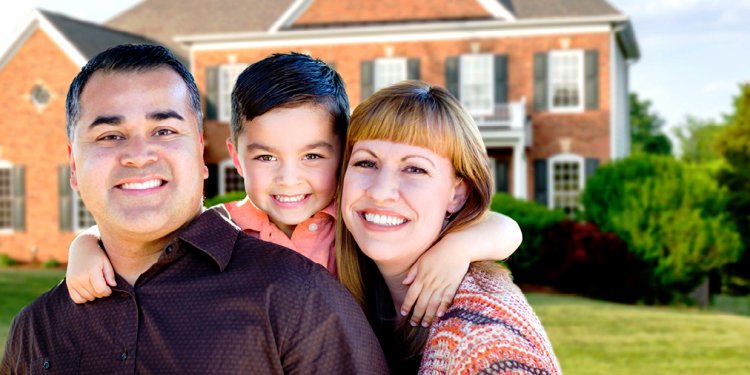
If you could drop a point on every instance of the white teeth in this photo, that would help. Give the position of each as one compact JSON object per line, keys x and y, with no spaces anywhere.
{"x":384,"y":220}
{"x":141,"y":185}
{"x":289,"y":198}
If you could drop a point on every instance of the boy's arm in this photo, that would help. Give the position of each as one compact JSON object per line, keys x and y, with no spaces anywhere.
{"x":89,"y":274}
{"x":436,"y":275}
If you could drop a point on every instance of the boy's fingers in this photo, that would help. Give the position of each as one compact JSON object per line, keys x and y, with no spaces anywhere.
{"x":411,"y":297}
{"x":99,"y":286}
{"x":411,"y":276}
{"x":109,"y":274}
{"x":85,"y":294}
{"x":419,"y":309}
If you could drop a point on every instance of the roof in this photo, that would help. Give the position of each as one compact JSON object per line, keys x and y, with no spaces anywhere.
{"x":531,"y":9}
{"x":162,"y":20}
{"x":88,"y":38}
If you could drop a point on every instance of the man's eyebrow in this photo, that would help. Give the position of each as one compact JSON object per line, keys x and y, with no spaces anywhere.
{"x":163,"y":115}
{"x":106,"y":120}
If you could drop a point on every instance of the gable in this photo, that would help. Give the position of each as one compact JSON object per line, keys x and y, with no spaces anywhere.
{"x":337,"y":12}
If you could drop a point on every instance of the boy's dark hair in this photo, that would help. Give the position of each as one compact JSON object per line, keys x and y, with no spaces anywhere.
{"x":287,"y":80}
{"x":129,"y":58}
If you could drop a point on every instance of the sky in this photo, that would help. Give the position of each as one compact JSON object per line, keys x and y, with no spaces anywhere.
{"x":694,"y":53}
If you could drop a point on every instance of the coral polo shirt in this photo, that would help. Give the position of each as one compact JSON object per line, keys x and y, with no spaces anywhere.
{"x":312,"y":238}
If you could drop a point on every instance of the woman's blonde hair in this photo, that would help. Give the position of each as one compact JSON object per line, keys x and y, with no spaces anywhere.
{"x":413,"y":113}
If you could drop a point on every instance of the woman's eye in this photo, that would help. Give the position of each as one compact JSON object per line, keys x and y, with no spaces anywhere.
{"x":364,"y":164}
{"x":416,"y":170}
{"x":265,"y":158}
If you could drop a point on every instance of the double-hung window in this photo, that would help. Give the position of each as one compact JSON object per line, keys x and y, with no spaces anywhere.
{"x":82,"y":218}
{"x":566,"y":80}
{"x":229,"y":179}
{"x":476,"y":83}
{"x":389,"y":71}
{"x":6,"y":197}
{"x":567,"y":177}
{"x":227,"y":77}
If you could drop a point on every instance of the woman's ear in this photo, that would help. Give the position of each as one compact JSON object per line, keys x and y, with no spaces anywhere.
{"x":460,"y":194}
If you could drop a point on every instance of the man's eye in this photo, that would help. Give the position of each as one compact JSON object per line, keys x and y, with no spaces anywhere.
{"x":265,"y":158}
{"x":364,"y":164}
{"x":163,"y":132}
{"x":110,"y":137}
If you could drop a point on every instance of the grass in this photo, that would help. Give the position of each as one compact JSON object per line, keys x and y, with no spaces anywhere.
{"x":18,"y":287}
{"x":593,"y":337}
{"x":589,"y":337}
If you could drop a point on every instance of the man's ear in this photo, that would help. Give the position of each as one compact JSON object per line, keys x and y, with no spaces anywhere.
{"x":460,"y":194}
{"x":72,"y":161}
{"x":235,"y":157}
{"x":203,"y":147}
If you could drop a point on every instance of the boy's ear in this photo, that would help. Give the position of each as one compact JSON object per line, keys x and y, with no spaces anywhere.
{"x":235,"y":157}
{"x":460,"y":194}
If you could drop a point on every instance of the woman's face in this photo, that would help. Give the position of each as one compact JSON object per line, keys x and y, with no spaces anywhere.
{"x":394,"y":200}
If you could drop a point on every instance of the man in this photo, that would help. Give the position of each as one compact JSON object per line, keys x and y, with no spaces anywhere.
{"x":193,"y":294}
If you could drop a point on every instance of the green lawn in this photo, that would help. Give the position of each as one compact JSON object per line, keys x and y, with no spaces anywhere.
{"x":590,"y":337}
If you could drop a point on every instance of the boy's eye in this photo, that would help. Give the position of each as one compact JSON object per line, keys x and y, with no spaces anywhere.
{"x":415,"y":170}
{"x":265,"y":158}
{"x":364,"y":164}
{"x":313,"y":156}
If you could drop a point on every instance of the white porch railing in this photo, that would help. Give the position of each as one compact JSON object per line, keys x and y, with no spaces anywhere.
{"x":507,"y":116}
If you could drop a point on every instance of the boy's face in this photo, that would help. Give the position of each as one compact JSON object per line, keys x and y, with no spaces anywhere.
{"x":289,"y":158}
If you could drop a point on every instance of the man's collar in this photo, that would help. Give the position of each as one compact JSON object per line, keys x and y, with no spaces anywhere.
{"x":213,"y":233}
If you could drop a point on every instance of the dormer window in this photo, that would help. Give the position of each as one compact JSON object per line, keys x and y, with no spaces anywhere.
{"x":40,"y":96}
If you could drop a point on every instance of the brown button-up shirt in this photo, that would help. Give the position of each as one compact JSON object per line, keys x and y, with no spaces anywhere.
{"x":216,"y":302}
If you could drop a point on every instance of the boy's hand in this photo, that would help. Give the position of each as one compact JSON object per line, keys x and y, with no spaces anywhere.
{"x":434,"y":279}
{"x":89,"y":274}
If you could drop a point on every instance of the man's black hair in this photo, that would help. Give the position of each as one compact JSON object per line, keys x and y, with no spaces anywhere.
{"x":129,"y":58}
{"x":289,"y":80}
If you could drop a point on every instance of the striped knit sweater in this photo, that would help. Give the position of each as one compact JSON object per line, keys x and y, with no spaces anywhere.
{"x":489,"y":329}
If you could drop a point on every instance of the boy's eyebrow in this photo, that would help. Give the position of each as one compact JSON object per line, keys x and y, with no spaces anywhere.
{"x":321,"y":144}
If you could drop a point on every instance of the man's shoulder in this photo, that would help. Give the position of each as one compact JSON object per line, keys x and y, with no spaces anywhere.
{"x":41,"y":312}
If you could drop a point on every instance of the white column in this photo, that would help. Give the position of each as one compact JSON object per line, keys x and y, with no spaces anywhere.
{"x":519,"y":170}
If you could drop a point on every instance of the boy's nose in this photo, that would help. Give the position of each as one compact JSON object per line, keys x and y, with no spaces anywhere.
{"x":289,"y":174}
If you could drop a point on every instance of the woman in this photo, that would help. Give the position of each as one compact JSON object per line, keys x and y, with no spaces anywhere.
{"x":416,"y":169}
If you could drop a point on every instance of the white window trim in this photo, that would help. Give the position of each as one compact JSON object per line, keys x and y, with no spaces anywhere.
{"x":563,"y":158}
{"x":4,"y":164}
{"x":581,"y":83}
{"x":225,"y":98}
{"x":400,"y":60}
{"x":491,"y":87}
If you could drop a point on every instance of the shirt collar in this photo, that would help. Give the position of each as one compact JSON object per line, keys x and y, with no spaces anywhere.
{"x":213,"y":233}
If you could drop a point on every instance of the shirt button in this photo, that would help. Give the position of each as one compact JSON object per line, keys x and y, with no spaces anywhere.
{"x":46,"y":365}
{"x":312,"y":227}
{"x":124,"y":356}
{"x":169,"y":249}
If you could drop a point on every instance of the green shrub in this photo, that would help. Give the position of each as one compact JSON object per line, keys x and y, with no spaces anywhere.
{"x":670,"y":214}
{"x":534,"y":219}
{"x":6,"y":261}
{"x":228,"y":197}
{"x":51,"y":263}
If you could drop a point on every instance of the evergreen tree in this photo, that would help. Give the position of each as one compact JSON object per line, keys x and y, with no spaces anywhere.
{"x":646,"y":134}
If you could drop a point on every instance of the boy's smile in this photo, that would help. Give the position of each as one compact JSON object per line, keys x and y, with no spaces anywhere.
{"x":289,"y":158}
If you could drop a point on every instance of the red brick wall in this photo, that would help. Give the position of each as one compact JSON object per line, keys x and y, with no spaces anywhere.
{"x":587,"y":131}
{"x":36,"y":139}
{"x":335,"y":11}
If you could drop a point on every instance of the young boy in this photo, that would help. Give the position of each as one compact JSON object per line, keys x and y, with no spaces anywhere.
{"x":290,"y":114}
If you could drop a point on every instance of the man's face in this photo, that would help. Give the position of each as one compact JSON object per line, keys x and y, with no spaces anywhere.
{"x":137,"y":155}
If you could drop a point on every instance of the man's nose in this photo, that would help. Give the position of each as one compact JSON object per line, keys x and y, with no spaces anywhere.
{"x":138,"y":152}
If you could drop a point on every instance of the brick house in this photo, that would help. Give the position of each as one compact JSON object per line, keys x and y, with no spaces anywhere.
{"x":39,"y":213}
{"x":546,"y":80}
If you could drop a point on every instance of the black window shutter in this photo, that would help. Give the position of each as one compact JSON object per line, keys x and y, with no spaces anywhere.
{"x":591,"y":76}
{"x":502,"y":172}
{"x":501,"y":78}
{"x":367,"y":78}
{"x":540,"y":182}
{"x":412,"y":69}
{"x":212,"y":93}
{"x":452,"y":69}
{"x":65,"y":196}
{"x":18,"y":191}
{"x":591,"y":165}
{"x":540,"y":81}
